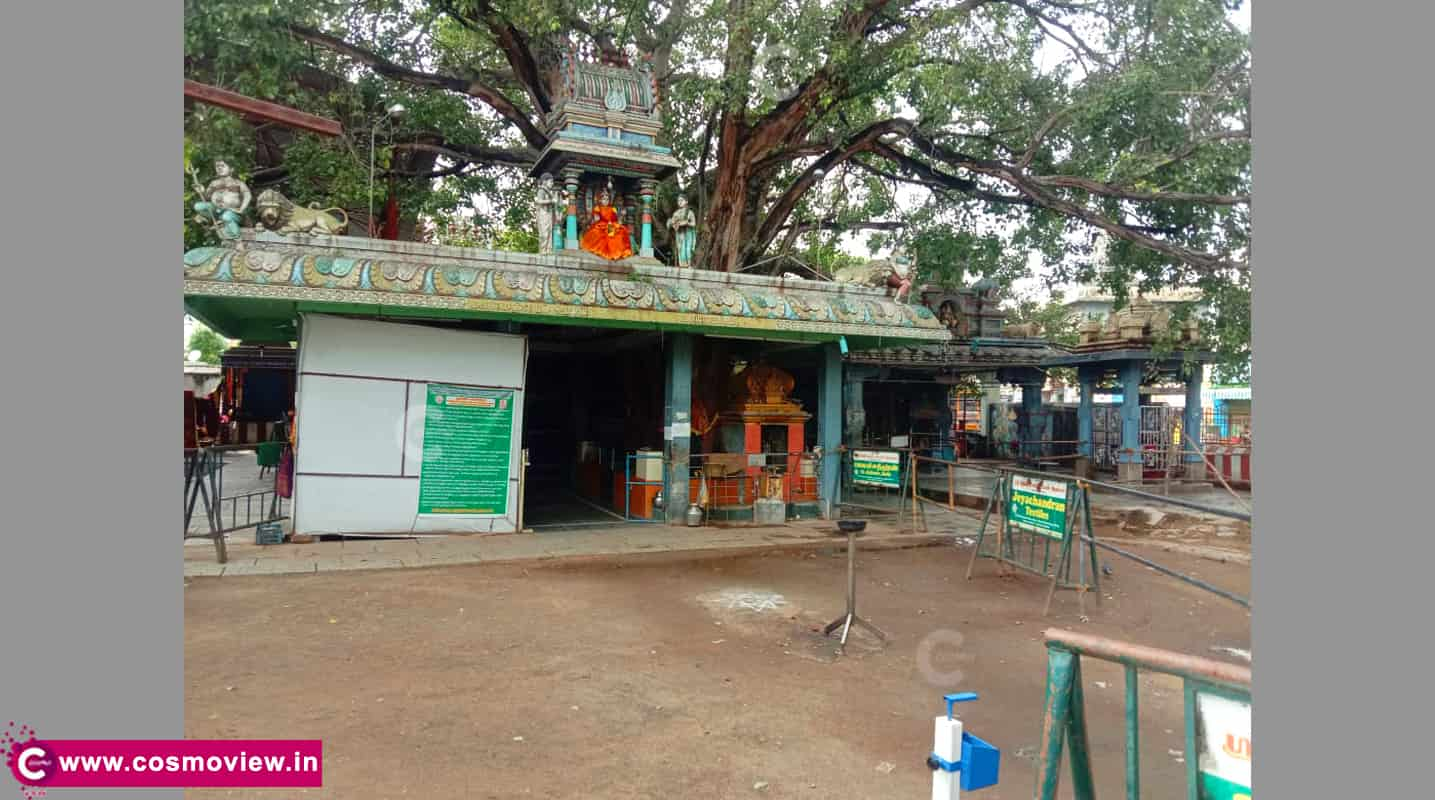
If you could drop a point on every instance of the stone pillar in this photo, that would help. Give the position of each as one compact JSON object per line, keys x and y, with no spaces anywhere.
{"x":829,"y":427}
{"x":630,"y":219}
{"x":1128,"y":460}
{"x":1085,"y":409}
{"x":854,"y":412}
{"x":946,"y":419}
{"x":677,"y":426}
{"x":1191,"y":428}
{"x":991,"y":396}
{"x":1030,"y":431}
{"x":570,"y":227}
{"x":645,"y":249}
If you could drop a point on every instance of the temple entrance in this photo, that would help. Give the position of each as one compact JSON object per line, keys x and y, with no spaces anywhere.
{"x":596,"y":436}
{"x":593,"y":426}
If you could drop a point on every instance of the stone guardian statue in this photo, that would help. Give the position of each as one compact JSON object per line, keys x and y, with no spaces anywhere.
{"x":545,"y":201}
{"x":684,"y":225}
{"x":222,"y":202}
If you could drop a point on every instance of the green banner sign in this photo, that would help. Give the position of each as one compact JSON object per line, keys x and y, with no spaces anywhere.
{"x":468,"y":448}
{"x":1038,"y":505}
{"x":877,"y":468}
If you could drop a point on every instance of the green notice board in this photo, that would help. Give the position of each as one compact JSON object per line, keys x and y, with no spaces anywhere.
{"x":877,"y":468}
{"x":1039,"y":505}
{"x":468,"y":448}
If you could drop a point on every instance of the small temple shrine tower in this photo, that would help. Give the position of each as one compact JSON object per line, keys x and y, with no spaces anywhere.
{"x":603,"y":132}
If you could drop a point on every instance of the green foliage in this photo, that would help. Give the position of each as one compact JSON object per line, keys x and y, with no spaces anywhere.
{"x":209,"y":344}
{"x":1153,"y":100}
{"x":488,"y":237}
{"x":1057,"y":322}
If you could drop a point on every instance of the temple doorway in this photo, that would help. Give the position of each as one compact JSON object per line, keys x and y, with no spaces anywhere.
{"x":593,"y":426}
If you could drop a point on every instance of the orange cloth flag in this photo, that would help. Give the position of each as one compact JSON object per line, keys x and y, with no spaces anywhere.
{"x":607,"y":237}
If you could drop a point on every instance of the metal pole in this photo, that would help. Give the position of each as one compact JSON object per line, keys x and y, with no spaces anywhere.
{"x":1133,"y":735}
{"x":850,"y":618}
{"x":1174,"y":574}
{"x":1210,"y":465}
{"x":373,"y":136}
{"x":1220,"y":512}
{"x":851,"y":577}
{"x":522,"y":480}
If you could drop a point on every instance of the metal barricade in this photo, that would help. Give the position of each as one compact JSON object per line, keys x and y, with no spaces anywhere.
{"x":996,"y":509}
{"x":1217,"y":718}
{"x":728,"y":485}
{"x":204,"y":492}
{"x":638,"y":469}
{"x":884,"y":482}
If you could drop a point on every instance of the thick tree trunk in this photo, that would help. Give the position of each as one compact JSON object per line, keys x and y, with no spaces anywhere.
{"x":724,"y":221}
{"x":728,"y":206}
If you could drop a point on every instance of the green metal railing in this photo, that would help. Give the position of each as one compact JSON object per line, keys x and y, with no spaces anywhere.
{"x":1206,"y":682}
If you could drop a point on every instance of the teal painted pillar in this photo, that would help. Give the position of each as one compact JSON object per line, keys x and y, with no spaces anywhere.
{"x":1191,"y":427}
{"x":646,"y":248}
{"x":829,"y":426}
{"x":677,"y":426}
{"x":1085,"y":410}
{"x":1128,"y":460}
{"x":570,"y":227}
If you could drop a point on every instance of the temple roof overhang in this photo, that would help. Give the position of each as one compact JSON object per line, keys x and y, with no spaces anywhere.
{"x":611,"y":156}
{"x":962,"y":354}
{"x":254,"y":288}
{"x":1114,"y":357}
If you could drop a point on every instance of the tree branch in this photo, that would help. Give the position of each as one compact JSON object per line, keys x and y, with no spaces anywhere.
{"x":382,"y":66}
{"x":857,"y":142}
{"x":946,"y":181}
{"x":473,"y":154}
{"x":830,"y":224}
{"x":514,"y":44}
{"x":1109,"y":190}
{"x":796,"y":151}
{"x":1077,"y":45}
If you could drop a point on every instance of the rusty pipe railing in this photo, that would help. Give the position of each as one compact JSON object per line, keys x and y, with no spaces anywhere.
{"x":1151,"y":658}
{"x":1064,"y":714}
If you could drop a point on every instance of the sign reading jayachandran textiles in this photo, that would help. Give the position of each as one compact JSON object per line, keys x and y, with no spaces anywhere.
{"x":468,"y":450}
{"x":1038,"y":504}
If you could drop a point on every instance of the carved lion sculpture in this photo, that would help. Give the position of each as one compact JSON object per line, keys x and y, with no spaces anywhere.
{"x":279,"y":214}
{"x":1025,"y":330}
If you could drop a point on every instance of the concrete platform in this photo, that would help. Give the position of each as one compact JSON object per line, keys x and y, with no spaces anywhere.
{"x":246,"y":558}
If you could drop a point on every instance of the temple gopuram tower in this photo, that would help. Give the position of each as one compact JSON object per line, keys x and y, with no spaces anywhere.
{"x":603,"y":128}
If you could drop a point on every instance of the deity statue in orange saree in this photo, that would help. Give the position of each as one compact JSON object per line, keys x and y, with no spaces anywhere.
{"x":607,"y":237}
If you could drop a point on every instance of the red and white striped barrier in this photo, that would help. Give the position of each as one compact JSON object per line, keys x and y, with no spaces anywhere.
{"x":1234,"y":462}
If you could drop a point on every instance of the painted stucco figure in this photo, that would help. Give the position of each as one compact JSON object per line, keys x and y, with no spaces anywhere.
{"x":900,"y":277}
{"x":222,"y":202}
{"x":279,"y":214}
{"x":545,"y":200}
{"x":607,"y":237}
{"x":684,"y":225}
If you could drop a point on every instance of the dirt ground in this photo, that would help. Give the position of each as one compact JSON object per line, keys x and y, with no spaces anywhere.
{"x":664,"y":677}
